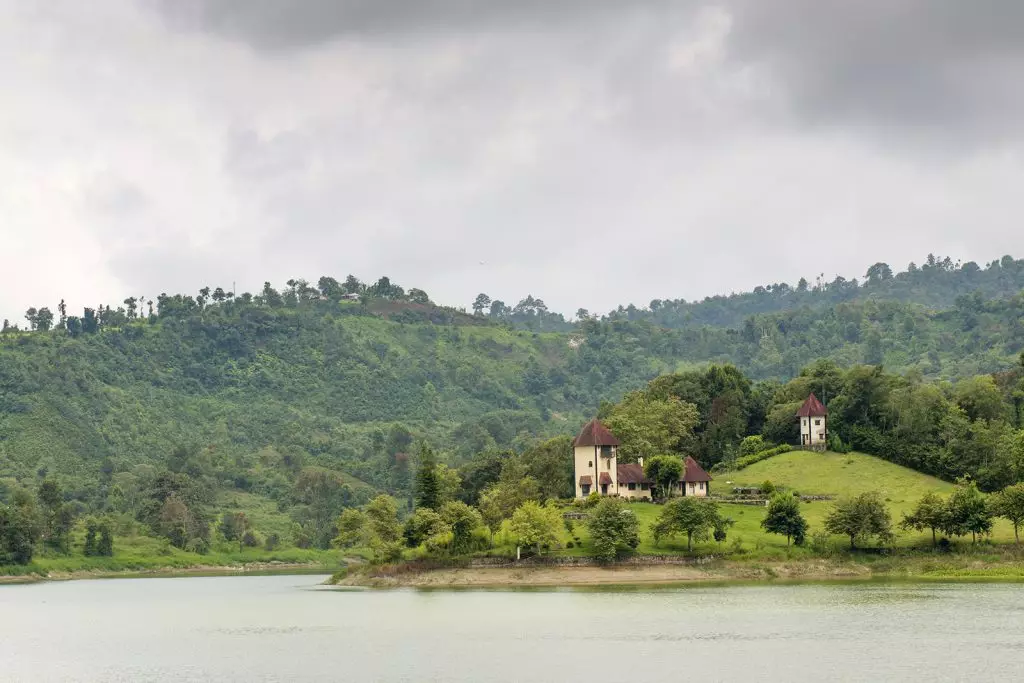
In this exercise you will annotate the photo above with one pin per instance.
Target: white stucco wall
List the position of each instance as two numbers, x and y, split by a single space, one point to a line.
588 461
817 432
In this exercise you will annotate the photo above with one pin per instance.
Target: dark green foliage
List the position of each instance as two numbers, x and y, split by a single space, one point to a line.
20 529
862 517
967 512
784 518
614 529
749 460
428 482
99 539
691 516
665 471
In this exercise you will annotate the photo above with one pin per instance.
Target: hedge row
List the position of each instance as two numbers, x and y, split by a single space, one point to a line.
749 460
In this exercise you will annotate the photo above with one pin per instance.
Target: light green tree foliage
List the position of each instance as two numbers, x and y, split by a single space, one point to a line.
614 529
687 515
513 488
649 427
351 528
461 520
425 525
1009 504
929 513
784 518
384 531
665 471
753 444
535 525
449 483
980 398
967 512
862 517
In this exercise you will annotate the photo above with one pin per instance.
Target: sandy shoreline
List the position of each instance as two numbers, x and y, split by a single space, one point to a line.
609 576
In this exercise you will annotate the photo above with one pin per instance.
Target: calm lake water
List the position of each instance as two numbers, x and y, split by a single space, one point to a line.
287 628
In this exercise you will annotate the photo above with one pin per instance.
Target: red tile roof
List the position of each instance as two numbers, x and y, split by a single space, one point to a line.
694 472
595 434
586 480
631 473
812 407
605 479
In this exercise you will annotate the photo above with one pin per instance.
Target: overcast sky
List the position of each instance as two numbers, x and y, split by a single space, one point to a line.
589 152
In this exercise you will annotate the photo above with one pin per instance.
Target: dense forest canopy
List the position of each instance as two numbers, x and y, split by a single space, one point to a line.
314 396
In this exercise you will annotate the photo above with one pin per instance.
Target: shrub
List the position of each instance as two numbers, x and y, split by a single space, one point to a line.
753 444
767 488
272 542
570 544
749 460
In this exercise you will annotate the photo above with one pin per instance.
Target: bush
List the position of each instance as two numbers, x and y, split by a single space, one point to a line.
767 488
836 445
821 543
753 444
570 544
272 542
749 460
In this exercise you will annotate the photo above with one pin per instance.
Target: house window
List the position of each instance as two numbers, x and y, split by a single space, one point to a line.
590 463
586 489
632 486
606 451
645 487
817 423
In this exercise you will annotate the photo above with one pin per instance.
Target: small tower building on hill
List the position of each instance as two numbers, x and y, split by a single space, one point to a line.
813 424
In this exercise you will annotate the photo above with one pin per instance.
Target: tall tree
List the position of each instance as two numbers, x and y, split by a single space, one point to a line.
666 471
687 515
1009 504
428 480
929 513
481 303
860 517
614 529
784 518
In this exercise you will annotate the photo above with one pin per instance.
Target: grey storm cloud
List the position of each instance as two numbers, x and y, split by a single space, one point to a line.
937 64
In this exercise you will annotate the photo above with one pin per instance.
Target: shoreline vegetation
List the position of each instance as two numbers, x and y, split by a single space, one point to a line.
926 567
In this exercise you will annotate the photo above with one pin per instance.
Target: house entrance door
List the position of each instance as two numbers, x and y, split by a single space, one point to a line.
604 489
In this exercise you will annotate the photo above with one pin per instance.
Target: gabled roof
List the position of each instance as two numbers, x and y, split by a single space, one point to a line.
631 473
812 407
595 434
694 472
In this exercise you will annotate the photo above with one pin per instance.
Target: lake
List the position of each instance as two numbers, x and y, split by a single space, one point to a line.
288 628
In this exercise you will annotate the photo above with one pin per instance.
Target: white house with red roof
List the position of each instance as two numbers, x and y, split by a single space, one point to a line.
595 457
813 423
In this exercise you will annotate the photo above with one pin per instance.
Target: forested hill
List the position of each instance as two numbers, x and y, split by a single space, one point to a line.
937 284
310 399
333 369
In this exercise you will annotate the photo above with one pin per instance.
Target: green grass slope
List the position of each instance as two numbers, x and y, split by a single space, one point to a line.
836 474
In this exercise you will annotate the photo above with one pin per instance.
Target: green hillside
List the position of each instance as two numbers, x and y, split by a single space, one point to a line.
836 474
841 475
